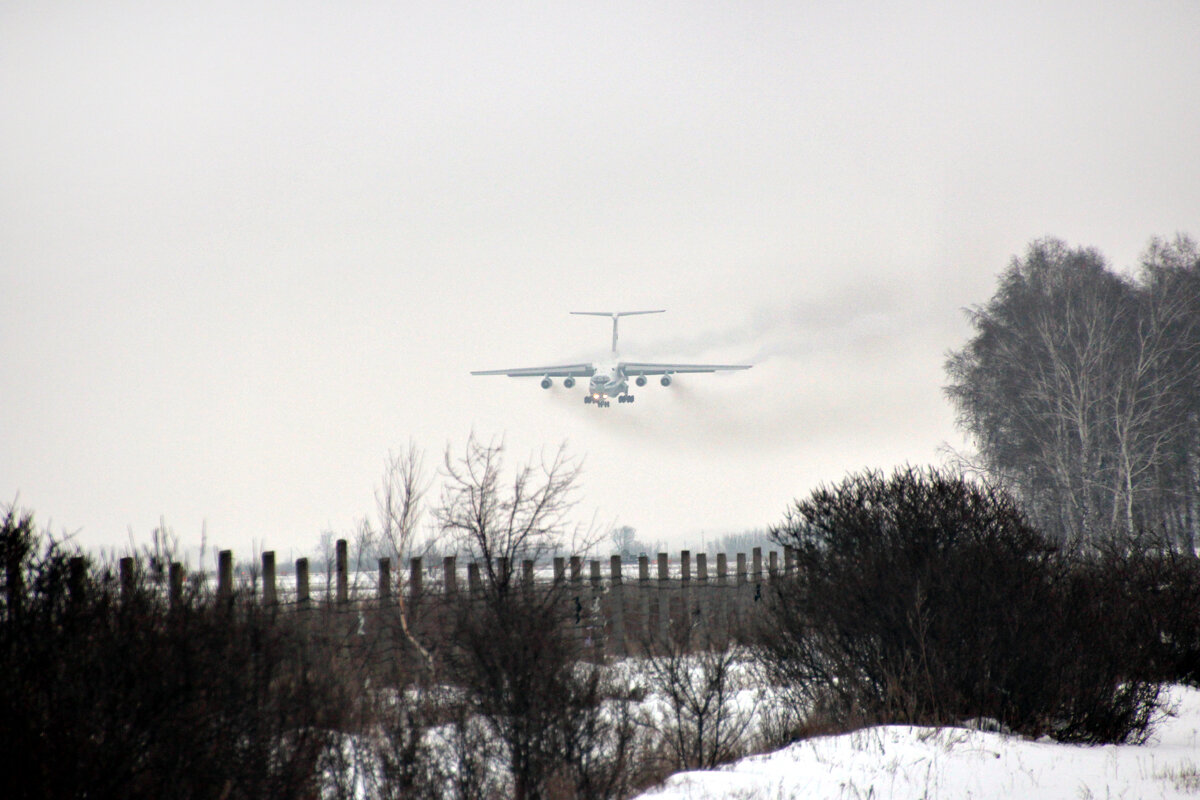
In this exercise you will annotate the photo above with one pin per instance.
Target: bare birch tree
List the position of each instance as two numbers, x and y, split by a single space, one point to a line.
1079 389
399 508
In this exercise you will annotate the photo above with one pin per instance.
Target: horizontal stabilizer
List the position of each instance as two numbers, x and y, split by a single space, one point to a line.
616 315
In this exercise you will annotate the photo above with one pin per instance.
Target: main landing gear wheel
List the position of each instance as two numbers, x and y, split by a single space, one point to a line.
587 398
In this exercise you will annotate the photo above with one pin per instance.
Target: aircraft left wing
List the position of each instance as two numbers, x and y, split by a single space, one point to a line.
556 371
634 368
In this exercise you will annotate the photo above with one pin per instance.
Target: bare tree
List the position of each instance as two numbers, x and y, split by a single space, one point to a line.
1077 387
515 650
1171 272
400 505
502 521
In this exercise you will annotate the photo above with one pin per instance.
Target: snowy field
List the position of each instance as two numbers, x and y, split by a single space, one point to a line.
912 763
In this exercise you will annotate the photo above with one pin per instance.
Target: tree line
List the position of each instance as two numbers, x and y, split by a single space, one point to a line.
1080 390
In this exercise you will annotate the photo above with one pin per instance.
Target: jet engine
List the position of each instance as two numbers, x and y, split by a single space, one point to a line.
547 383
641 380
665 380
569 383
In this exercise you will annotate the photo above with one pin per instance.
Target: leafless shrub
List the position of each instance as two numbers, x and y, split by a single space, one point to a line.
516 652
706 721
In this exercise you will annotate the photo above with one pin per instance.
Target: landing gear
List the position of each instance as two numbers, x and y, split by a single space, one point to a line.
587 398
625 398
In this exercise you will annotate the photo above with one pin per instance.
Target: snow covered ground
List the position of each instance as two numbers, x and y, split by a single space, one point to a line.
912 763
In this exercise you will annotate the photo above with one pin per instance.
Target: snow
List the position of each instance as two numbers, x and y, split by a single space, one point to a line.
900 762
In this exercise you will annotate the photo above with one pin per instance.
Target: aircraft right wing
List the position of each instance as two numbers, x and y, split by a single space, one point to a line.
635 368
558 371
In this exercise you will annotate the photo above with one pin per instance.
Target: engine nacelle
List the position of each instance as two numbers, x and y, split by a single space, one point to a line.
569 383
641 380
666 380
547 383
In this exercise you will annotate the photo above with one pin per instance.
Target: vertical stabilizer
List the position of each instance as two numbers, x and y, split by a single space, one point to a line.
616 315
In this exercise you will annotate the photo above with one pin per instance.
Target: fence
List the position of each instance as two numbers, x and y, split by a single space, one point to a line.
616 614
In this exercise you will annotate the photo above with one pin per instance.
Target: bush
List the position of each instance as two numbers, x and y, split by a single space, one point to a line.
926 598
1158 589
109 691
564 730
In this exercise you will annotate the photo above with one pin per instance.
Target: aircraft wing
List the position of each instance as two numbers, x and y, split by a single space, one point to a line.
556 371
634 368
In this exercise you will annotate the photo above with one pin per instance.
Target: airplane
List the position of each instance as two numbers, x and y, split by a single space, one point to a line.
611 378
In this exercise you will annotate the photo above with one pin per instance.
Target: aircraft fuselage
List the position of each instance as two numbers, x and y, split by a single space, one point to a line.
609 381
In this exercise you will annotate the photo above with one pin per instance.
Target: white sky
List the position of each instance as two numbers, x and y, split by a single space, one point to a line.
246 248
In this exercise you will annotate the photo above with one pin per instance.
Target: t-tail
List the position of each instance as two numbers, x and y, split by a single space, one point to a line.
616 315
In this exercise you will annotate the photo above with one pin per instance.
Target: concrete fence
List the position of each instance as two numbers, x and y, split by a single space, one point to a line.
617 607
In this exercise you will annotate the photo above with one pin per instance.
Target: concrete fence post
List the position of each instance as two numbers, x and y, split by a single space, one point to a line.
385 580
560 569
641 624
413 604
302 595
757 573
702 595
616 591
682 611
175 584
343 572
449 576
225 574
594 610
474 581
789 560
720 608
502 570
270 598
663 615
416 577
773 564
576 591
739 594
126 570
527 570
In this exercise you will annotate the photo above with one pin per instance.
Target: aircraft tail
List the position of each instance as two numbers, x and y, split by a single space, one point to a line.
616 315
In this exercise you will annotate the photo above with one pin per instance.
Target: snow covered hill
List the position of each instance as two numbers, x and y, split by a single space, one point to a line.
913 763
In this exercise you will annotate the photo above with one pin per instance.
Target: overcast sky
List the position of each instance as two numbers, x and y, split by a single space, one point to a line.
247 249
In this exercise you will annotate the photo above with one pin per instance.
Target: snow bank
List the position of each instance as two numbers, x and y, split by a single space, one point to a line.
899 762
